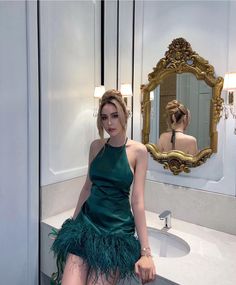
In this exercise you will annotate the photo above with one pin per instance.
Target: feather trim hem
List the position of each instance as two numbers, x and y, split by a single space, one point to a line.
105 254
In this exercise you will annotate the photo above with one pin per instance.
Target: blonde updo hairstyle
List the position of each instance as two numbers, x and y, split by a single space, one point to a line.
176 113
113 97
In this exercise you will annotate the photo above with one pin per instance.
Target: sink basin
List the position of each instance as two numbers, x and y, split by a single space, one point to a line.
164 244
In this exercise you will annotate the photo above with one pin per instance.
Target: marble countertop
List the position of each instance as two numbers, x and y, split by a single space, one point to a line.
211 260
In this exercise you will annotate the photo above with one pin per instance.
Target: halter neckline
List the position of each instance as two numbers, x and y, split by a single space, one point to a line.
117 146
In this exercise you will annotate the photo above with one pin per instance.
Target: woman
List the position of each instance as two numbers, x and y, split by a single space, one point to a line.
99 246
178 119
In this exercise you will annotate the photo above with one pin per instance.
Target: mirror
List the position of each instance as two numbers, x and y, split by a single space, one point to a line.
195 94
185 76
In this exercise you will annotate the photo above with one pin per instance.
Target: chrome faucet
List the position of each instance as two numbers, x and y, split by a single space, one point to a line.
166 216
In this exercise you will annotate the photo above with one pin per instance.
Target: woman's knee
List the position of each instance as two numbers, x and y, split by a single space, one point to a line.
75 271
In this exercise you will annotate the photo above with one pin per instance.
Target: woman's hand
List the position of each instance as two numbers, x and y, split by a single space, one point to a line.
145 269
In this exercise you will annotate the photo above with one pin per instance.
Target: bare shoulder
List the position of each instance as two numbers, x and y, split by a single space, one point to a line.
165 135
96 145
190 138
164 138
137 147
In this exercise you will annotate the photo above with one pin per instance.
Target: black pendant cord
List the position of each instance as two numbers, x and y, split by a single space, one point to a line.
173 137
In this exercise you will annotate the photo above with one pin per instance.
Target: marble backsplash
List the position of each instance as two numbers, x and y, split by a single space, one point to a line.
199 207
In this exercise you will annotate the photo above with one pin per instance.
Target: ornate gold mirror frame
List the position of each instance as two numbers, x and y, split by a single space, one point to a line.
178 59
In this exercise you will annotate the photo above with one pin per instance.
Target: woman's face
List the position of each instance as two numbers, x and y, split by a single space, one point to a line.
110 120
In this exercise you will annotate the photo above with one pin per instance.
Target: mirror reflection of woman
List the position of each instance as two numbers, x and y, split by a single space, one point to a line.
178 119
98 245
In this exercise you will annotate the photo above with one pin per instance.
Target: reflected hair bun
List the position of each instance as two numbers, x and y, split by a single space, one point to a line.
175 106
175 112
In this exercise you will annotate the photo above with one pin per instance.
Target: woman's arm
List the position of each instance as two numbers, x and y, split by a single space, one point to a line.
193 148
161 144
144 267
137 199
85 192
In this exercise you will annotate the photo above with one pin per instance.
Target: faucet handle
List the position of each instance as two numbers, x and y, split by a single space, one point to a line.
164 214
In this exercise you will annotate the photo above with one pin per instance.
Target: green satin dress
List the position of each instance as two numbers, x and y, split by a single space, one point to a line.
103 233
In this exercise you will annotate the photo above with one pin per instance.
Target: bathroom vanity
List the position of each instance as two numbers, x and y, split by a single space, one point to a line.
207 256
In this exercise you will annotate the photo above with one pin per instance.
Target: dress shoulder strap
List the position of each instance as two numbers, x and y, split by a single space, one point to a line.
172 140
173 137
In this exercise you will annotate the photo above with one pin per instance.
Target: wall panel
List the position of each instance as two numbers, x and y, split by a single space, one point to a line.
70 69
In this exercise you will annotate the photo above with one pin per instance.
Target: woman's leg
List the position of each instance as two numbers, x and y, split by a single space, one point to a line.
102 280
75 271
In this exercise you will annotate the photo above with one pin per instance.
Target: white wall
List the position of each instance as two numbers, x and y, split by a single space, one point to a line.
208 26
19 175
70 69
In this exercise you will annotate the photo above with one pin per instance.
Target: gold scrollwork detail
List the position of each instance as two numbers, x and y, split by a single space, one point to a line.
178 161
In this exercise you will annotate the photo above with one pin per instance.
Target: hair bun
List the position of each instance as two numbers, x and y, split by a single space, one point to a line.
112 94
172 107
